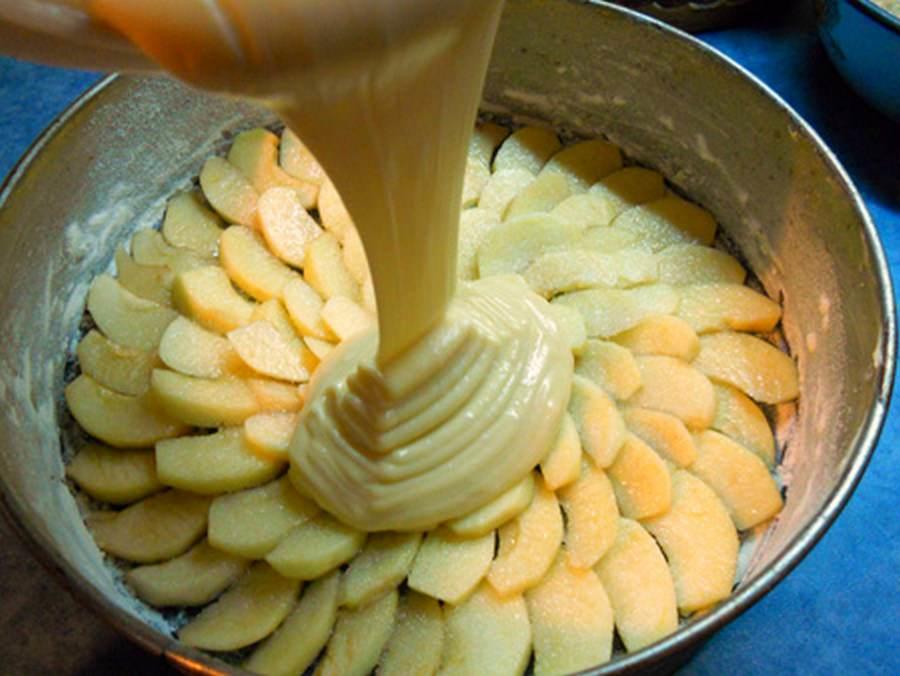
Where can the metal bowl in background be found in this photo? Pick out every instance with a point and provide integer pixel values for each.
(863, 41)
(108, 165)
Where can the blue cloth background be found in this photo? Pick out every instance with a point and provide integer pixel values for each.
(839, 611)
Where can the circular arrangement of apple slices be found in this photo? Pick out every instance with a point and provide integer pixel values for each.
(218, 319)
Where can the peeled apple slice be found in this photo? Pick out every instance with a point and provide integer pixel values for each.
(598, 421)
(673, 386)
(542, 194)
(255, 153)
(583, 164)
(514, 244)
(189, 224)
(249, 611)
(149, 247)
(262, 347)
(485, 139)
(314, 547)
(742, 420)
(501, 189)
(630, 186)
(591, 517)
(572, 269)
(229, 192)
(325, 271)
(207, 296)
(345, 318)
(304, 306)
(610, 366)
(562, 465)
(380, 567)
(190, 349)
(474, 225)
(122, 369)
(251, 266)
(475, 178)
(640, 480)
(448, 567)
(682, 264)
(497, 512)
(151, 282)
(359, 638)
(127, 319)
(296, 159)
(286, 225)
(417, 643)
(114, 475)
(664, 433)
(585, 210)
(527, 148)
(719, 307)
(668, 221)
(269, 434)
(332, 212)
(201, 402)
(607, 312)
(661, 335)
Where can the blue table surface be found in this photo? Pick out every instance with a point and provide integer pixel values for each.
(839, 611)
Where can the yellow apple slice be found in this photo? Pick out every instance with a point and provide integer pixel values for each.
(114, 475)
(149, 247)
(497, 512)
(274, 312)
(610, 366)
(151, 282)
(740, 479)
(285, 225)
(630, 187)
(640, 480)
(528, 545)
(380, 567)
(571, 620)
(501, 188)
(320, 348)
(598, 421)
(448, 567)
(417, 643)
(213, 463)
(127, 319)
(303, 634)
(255, 153)
(190, 224)
(570, 324)
(122, 369)
(700, 543)
(750, 364)
(190, 349)
(201, 402)
(474, 226)
(249, 611)
(118, 419)
(584, 163)
(262, 347)
(668, 221)
(610, 240)
(354, 254)
(607, 312)
(251, 266)
(572, 269)
(193, 579)
(296, 159)
(252, 522)
(718, 307)
(268, 435)
(542, 194)
(682, 264)
(487, 631)
(486, 137)
(325, 271)
(663, 335)
(664, 433)
(314, 547)
(562, 465)
(585, 210)
(228, 191)
(304, 306)
(275, 396)
(637, 579)
(345, 318)
(207, 296)
(527, 148)
(515, 244)
(674, 386)
(591, 516)
(359, 638)
(742, 420)
(475, 178)
(155, 529)
(332, 212)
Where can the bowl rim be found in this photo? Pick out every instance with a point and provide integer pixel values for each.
(880, 14)
(692, 634)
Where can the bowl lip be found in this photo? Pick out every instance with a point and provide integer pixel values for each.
(880, 14)
(691, 634)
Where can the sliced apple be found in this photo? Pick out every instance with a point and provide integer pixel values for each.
(359, 638)
(573, 269)
(739, 477)
(475, 178)
(354, 254)
(742, 420)
(630, 187)
(667, 221)
(207, 296)
(325, 271)
(541, 194)
(750, 364)
(229, 192)
(296, 159)
(314, 547)
(674, 386)
(151, 282)
(332, 212)
(417, 643)
(570, 324)
(255, 153)
(607, 312)
(190, 224)
(485, 140)
(661, 334)
(213, 463)
(252, 522)
(609, 240)
(190, 349)
(586, 210)
(598, 421)
(591, 516)
(114, 475)
(299, 640)
(474, 225)
(640, 480)
(201, 402)
(571, 620)
(379, 568)
(304, 306)
(515, 244)
(122, 369)
(497, 512)
(486, 629)
(528, 545)
(251, 266)
(562, 465)
(682, 264)
(345, 318)
(275, 396)
(719, 307)
(664, 433)
(249, 611)
(527, 148)
(448, 567)
(262, 347)
(193, 579)
(584, 163)
(610, 366)
(155, 529)
(118, 419)
(640, 587)
(127, 319)
(320, 348)
(285, 225)
(501, 189)
(700, 543)
(268, 435)
(149, 247)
